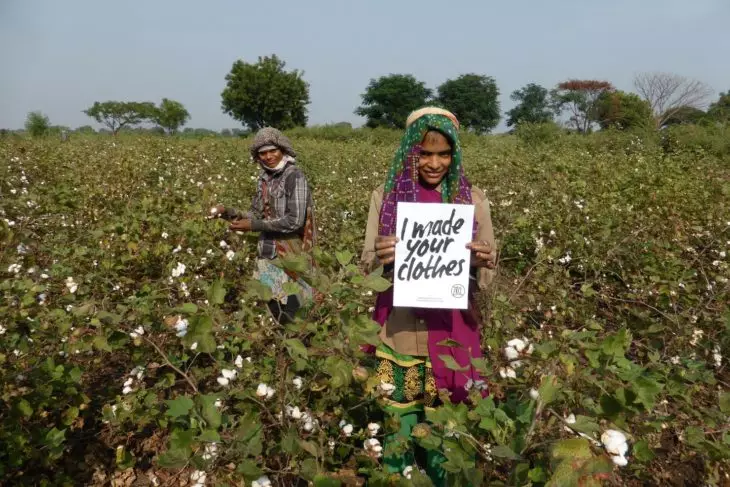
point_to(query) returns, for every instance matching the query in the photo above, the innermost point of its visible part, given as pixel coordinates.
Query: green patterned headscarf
(402, 181)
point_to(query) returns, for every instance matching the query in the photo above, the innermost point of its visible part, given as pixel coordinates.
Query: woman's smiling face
(435, 159)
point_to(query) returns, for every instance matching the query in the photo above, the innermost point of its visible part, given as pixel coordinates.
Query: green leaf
(179, 406)
(290, 442)
(537, 474)
(75, 374)
(216, 292)
(181, 439)
(291, 288)
(376, 283)
(208, 410)
(100, 343)
(55, 437)
(309, 447)
(124, 459)
(70, 415)
(24, 408)
(549, 389)
(173, 458)
(642, 452)
(344, 257)
(308, 469)
(109, 318)
(646, 391)
(587, 290)
(573, 448)
(249, 470)
(503, 451)
(188, 308)
(209, 436)
(610, 406)
(584, 424)
(725, 402)
(296, 348)
(321, 480)
(451, 363)
(340, 372)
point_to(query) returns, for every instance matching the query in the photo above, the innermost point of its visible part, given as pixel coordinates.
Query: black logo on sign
(457, 291)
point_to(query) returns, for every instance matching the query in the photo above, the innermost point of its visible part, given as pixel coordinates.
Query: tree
(667, 93)
(533, 106)
(579, 98)
(118, 114)
(389, 100)
(85, 129)
(621, 110)
(264, 94)
(473, 99)
(686, 115)
(171, 115)
(37, 124)
(719, 111)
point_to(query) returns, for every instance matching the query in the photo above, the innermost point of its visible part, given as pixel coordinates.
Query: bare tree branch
(669, 93)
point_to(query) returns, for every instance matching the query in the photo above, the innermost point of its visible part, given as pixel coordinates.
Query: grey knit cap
(271, 136)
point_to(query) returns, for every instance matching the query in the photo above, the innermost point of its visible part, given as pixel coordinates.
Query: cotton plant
(346, 428)
(264, 391)
(616, 446)
(227, 375)
(515, 349)
(71, 285)
(135, 376)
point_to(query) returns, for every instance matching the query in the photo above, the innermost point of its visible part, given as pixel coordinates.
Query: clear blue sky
(61, 56)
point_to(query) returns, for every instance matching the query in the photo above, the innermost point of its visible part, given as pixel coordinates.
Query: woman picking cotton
(427, 168)
(283, 212)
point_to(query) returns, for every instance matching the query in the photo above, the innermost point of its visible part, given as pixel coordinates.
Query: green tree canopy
(533, 106)
(119, 114)
(37, 124)
(473, 98)
(720, 110)
(264, 94)
(389, 100)
(171, 115)
(686, 115)
(621, 110)
(579, 98)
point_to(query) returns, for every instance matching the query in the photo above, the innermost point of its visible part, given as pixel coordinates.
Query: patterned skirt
(415, 386)
(275, 278)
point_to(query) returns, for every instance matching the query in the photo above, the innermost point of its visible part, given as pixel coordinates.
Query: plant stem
(167, 361)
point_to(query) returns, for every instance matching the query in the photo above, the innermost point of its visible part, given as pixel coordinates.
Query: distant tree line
(264, 93)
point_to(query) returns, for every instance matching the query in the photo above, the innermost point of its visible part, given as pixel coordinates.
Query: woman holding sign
(427, 168)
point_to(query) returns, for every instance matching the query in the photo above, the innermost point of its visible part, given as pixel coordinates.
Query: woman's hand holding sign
(482, 254)
(385, 248)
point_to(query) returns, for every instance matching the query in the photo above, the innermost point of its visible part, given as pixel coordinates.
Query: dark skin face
(435, 159)
(433, 165)
(271, 158)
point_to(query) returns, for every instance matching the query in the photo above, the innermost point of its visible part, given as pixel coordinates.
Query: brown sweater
(402, 331)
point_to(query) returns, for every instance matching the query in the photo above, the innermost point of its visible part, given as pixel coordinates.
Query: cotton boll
(619, 460)
(615, 442)
(222, 381)
(511, 353)
(228, 373)
(517, 344)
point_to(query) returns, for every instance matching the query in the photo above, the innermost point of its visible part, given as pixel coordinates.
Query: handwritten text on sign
(431, 258)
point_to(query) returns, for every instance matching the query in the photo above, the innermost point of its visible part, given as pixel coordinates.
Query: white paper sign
(431, 258)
